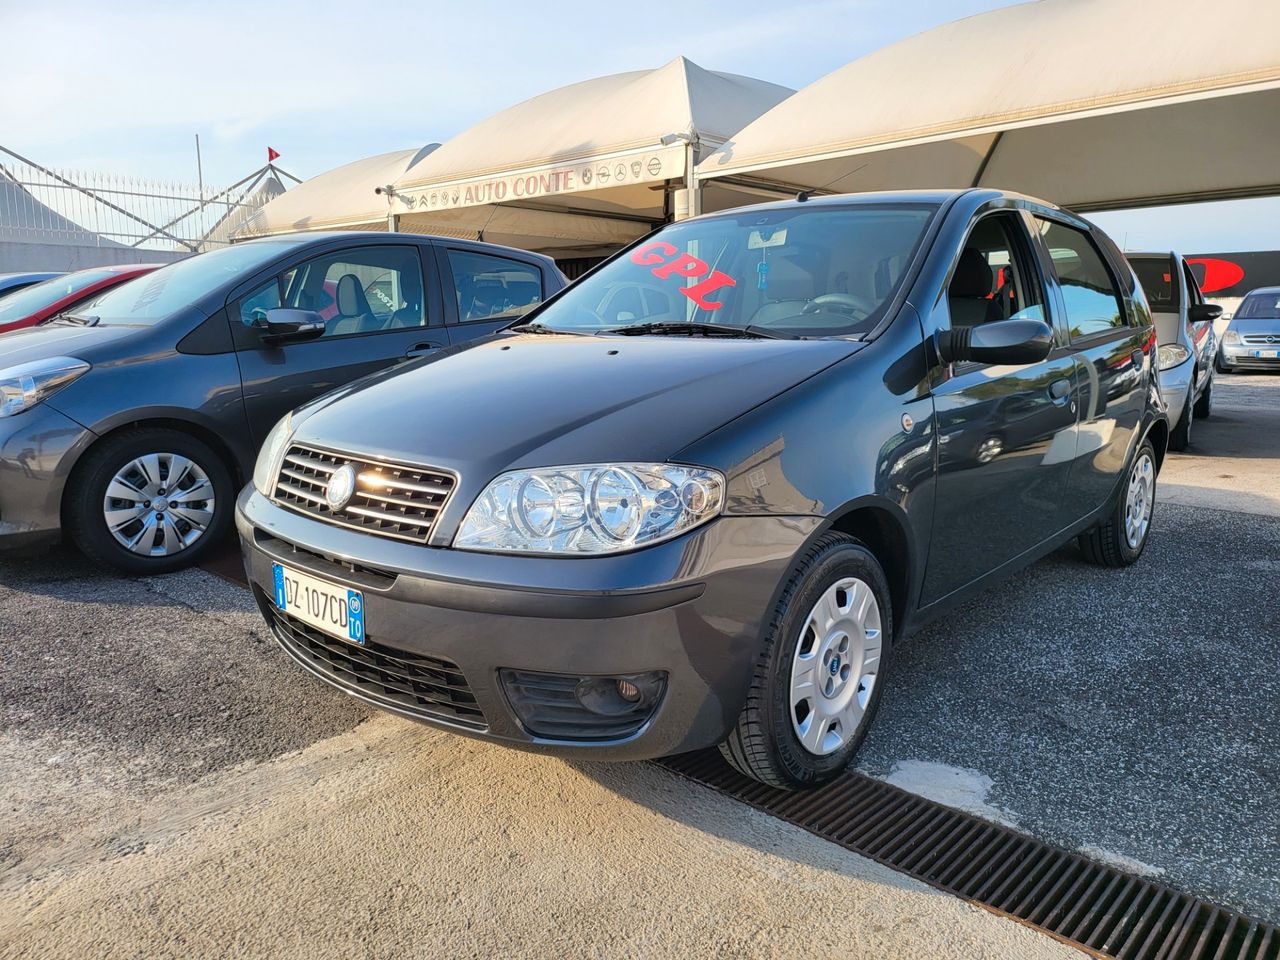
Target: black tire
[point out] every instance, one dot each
(764, 744)
(1107, 544)
(83, 502)
(1180, 436)
(1204, 406)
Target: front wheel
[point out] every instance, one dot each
(817, 683)
(149, 500)
(1120, 539)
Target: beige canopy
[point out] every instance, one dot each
(582, 169)
(340, 199)
(1094, 104)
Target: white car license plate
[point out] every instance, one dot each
(1260, 354)
(334, 609)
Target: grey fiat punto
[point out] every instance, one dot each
(701, 495)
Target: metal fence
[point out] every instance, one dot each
(43, 205)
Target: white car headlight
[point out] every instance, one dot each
(1232, 337)
(1172, 354)
(590, 509)
(272, 452)
(25, 385)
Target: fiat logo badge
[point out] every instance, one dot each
(341, 487)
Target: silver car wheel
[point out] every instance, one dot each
(1139, 501)
(835, 666)
(159, 504)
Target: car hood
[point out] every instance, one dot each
(1256, 328)
(540, 400)
(59, 340)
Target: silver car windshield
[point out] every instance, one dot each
(1260, 306)
(823, 271)
(163, 292)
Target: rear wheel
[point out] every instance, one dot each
(1180, 436)
(1204, 406)
(149, 500)
(817, 683)
(1120, 539)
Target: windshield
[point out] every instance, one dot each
(23, 303)
(1158, 281)
(821, 271)
(163, 292)
(1260, 306)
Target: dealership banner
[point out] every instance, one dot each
(1235, 274)
(600, 173)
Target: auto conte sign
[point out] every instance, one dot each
(600, 173)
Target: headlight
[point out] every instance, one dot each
(272, 452)
(25, 385)
(590, 509)
(1231, 337)
(1172, 354)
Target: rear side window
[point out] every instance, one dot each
(1089, 289)
(1159, 282)
(488, 287)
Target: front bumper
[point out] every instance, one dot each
(38, 448)
(1241, 356)
(691, 610)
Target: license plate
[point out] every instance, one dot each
(1261, 354)
(334, 609)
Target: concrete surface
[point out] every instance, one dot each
(160, 796)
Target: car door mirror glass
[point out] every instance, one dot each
(289, 323)
(1007, 342)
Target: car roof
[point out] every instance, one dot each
(1151, 254)
(375, 237)
(1266, 291)
(938, 196)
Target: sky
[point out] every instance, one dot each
(125, 87)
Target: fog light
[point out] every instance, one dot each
(566, 707)
(628, 691)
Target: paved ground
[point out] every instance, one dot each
(1130, 713)
(171, 786)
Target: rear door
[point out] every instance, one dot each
(380, 303)
(1006, 434)
(486, 289)
(1114, 344)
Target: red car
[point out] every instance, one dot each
(43, 301)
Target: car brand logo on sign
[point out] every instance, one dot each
(341, 487)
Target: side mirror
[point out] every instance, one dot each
(1011, 342)
(1204, 312)
(287, 323)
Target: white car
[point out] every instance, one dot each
(1184, 332)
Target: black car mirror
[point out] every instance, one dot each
(288, 323)
(1204, 312)
(1001, 342)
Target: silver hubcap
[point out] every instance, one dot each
(1139, 501)
(834, 670)
(158, 504)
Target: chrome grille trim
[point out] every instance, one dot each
(400, 501)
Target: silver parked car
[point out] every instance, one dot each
(1252, 338)
(1184, 331)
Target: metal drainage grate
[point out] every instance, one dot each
(1086, 904)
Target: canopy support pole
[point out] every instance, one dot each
(986, 159)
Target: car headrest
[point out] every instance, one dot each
(349, 296)
(973, 275)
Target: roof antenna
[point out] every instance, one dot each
(804, 195)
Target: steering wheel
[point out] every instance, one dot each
(849, 303)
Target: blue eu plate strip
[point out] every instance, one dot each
(281, 601)
(355, 616)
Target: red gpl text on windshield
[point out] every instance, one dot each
(668, 263)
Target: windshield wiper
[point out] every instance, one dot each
(80, 319)
(694, 327)
(533, 326)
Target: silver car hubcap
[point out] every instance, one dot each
(1139, 501)
(834, 669)
(158, 504)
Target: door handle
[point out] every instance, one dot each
(1059, 390)
(420, 350)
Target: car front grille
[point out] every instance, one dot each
(390, 500)
(427, 687)
(1263, 340)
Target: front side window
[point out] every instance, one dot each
(993, 279)
(1092, 302)
(365, 290)
(489, 287)
(820, 271)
